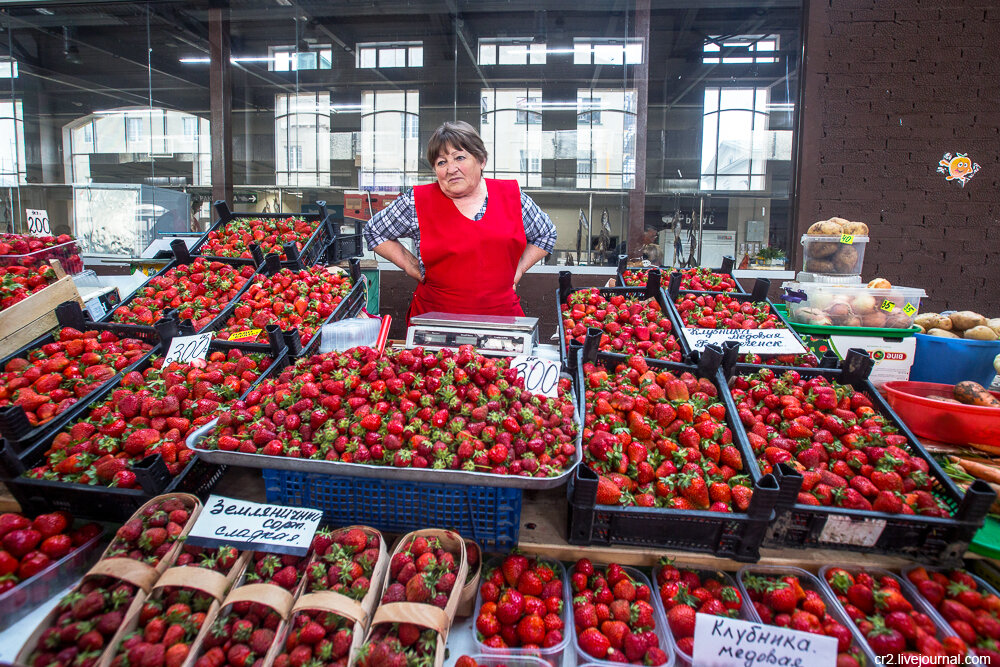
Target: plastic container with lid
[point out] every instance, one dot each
(842, 255)
(345, 334)
(825, 305)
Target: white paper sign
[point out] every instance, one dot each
(856, 532)
(759, 341)
(185, 349)
(261, 527)
(541, 376)
(38, 221)
(730, 642)
(96, 309)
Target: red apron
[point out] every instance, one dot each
(469, 265)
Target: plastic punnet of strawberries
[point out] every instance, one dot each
(31, 545)
(422, 570)
(849, 455)
(17, 283)
(613, 615)
(50, 379)
(149, 536)
(630, 325)
(271, 234)
(398, 645)
(302, 299)
(657, 439)
(522, 605)
(86, 619)
(344, 561)
(316, 638)
(149, 413)
(165, 630)
(972, 611)
(686, 593)
(199, 291)
(698, 279)
(239, 636)
(783, 601)
(886, 617)
(722, 311)
(405, 408)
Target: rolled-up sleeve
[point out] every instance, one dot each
(539, 229)
(397, 220)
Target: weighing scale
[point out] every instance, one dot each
(490, 334)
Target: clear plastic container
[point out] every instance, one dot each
(66, 253)
(842, 255)
(345, 334)
(661, 630)
(852, 305)
(484, 660)
(806, 277)
(552, 656)
(682, 658)
(981, 584)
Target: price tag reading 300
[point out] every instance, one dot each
(185, 349)
(541, 376)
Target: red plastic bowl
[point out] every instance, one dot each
(954, 423)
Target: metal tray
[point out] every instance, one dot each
(428, 475)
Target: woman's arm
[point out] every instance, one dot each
(397, 254)
(529, 257)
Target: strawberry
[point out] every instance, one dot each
(725, 311)
(696, 279)
(631, 326)
(235, 237)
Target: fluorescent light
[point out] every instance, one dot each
(346, 108)
(559, 51)
(134, 112)
(46, 12)
(195, 60)
(233, 59)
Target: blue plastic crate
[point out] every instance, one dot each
(489, 515)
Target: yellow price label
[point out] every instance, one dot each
(888, 306)
(847, 239)
(909, 309)
(240, 335)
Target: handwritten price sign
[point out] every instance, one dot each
(541, 376)
(38, 221)
(185, 349)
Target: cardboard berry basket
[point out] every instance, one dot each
(422, 615)
(113, 572)
(269, 595)
(451, 542)
(192, 578)
(350, 305)
(682, 658)
(926, 539)
(471, 588)
(182, 256)
(105, 502)
(553, 656)
(809, 582)
(652, 290)
(14, 425)
(914, 598)
(327, 602)
(726, 270)
(311, 249)
(376, 580)
(735, 535)
(193, 506)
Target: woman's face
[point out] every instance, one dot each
(458, 172)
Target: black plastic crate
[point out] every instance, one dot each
(922, 538)
(727, 269)
(343, 246)
(103, 502)
(728, 535)
(651, 290)
(14, 424)
(182, 256)
(312, 248)
(350, 305)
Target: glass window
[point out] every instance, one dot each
(605, 130)
(290, 59)
(12, 165)
(390, 54)
(587, 51)
(511, 51)
(8, 68)
(133, 128)
(302, 139)
(512, 132)
(390, 149)
(734, 140)
(740, 49)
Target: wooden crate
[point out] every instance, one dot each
(35, 316)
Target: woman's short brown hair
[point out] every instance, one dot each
(457, 134)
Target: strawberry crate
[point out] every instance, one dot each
(306, 250)
(14, 424)
(927, 539)
(489, 515)
(349, 306)
(651, 290)
(182, 256)
(107, 503)
(344, 246)
(728, 535)
(642, 273)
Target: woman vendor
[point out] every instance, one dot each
(474, 237)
